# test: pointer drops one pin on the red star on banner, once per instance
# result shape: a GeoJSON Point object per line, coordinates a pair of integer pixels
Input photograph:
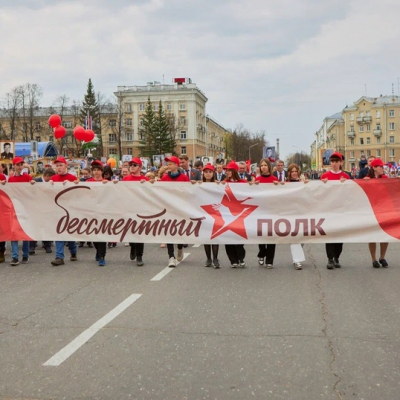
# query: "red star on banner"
{"type": "Point", "coordinates": [229, 214]}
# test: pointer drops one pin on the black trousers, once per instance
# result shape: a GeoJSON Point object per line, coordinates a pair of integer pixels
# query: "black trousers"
{"type": "Point", "coordinates": [333, 250]}
{"type": "Point", "coordinates": [101, 248]}
{"type": "Point", "coordinates": [2, 247]}
{"type": "Point", "coordinates": [267, 251]}
{"type": "Point", "coordinates": [235, 252]}
{"type": "Point", "coordinates": [137, 249]}
{"type": "Point", "coordinates": [170, 248]}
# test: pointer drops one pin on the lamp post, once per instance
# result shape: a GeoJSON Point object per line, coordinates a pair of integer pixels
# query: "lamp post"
{"type": "Point", "coordinates": [256, 144]}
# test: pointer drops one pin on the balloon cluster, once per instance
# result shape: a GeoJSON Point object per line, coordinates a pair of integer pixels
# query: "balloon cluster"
{"type": "Point", "coordinates": [79, 132]}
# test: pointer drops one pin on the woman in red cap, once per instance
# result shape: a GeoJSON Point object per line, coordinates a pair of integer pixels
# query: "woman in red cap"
{"type": "Point", "coordinates": [266, 252]}
{"type": "Point", "coordinates": [235, 252]}
{"type": "Point", "coordinates": [376, 172]}
{"type": "Point", "coordinates": [209, 176]}
{"type": "Point", "coordinates": [174, 175]}
{"type": "Point", "coordinates": [334, 250]}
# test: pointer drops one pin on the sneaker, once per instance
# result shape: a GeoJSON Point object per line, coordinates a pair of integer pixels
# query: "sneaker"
{"type": "Point", "coordinates": [109, 245]}
{"type": "Point", "coordinates": [208, 262]}
{"type": "Point", "coordinates": [133, 254]}
{"type": "Point", "coordinates": [126, 244]}
{"type": "Point", "coordinates": [102, 262]}
{"type": "Point", "coordinates": [261, 261]}
{"type": "Point", "coordinates": [269, 266]}
{"type": "Point", "coordinates": [330, 264]}
{"type": "Point", "coordinates": [97, 258]}
{"type": "Point", "coordinates": [57, 262]}
{"type": "Point", "coordinates": [25, 260]}
{"type": "Point", "coordinates": [14, 261]}
{"type": "Point", "coordinates": [383, 262]}
{"type": "Point", "coordinates": [298, 266]}
{"type": "Point", "coordinates": [81, 244]}
{"type": "Point", "coordinates": [179, 257]}
{"type": "Point", "coordinates": [48, 249]}
{"type": "Point", "coordinates": [336, 263]}
{"type": "Point", "coordinates": [216, 263]}
{"type": "Point", "coordinates": [73, 257]}
{"type": "Point", "coordinates": [234, 265]}
{"type": "Point", "coordinates": [172, 262]}
{"type": "Point", "coordinates": [114, 245]}
{"type": "Point", "coordinates": [242, 264]}
{"type": "Point", "coordinates": [185, 246]}
{"type": "Point", "coordinates": [32, 252]}
{"type": "Point", "coordinates": [376, 264]}
{"type": "Point", "coordinates": [2, 257]}
{"type": "Point", "coordinates": [139, 261]}
{"type": "Point", "coordinates": [90, 245]}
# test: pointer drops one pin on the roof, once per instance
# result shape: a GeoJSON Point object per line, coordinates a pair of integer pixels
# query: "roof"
{"type": "Point", "coordinates": [337, 115]}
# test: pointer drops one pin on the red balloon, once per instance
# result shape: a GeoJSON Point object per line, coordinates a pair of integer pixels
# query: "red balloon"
{"type": "Point", "coordinates": [59, 132]}
{"type": "Point", "coordinates": [79, 132]}
{"type": "Point", "coordinates": [54, 120]}
{"type": "Point", "coordinates": [89, 135]}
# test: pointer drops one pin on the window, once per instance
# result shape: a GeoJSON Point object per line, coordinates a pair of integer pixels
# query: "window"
{"type": "Point", "coordinates": [352, 142]}
{"type": "Point", "coordinates": [391, 126]}
{"type": "Point", "coordinates": [368, 127]}
{"type": "Point", "coordinates": [51, 139]}
{"type": "Point", "coordinates": [378, 127]}
{"type": "Point", "coordinates": [155, 106]}
{"type": "Point", "coordinates": [112, 138]}
{"type": "Point", "coordinates": [351, 117]}
{"type": "Point", "coordinates": [368, 113]}
{"type": "Point", "coordinates": [182, 106]}
{"type": "Point", "coordinates": [129, 137]}
{"type": "Point", "coordinates": [378, 153]}
{"type": "Point", "coordinates": [361, 114]}
{"type": "Point", "coordinates": [391, 139]}
{"type": "Point", "coordinates": [391, 113]}
{"type": "Point", "coordinates": [378, 114]}
{"type": "Point", "coordinates": [141, 122]}
{"type": "Point", "coordinates": [141, 136]}
{"type": "Point", "coordinates": [183, 135]}
{"type": "Point", "coordinates": [361, 140]}
{"type": "Point", "coordinates": [142, 106]}
{"type": "Point", "coordinates": [112, 122]}
{"type": "Point", "coordinates": [368, 153]}
{"type": "Point", "coordinates": [352, 154]}
{"type": "Point", "coordinates": [67, 124]}
{"type": "Point", "coordinates": [351, 128]}
{"type": "Point", "coordinates": [361, 128]}
{"type": "Point", "coordinates": [183, 150]}
{"type": "Point", "coordinates": [37, 138]}
{"type": "Point", "coordinates": [169, 106]}
{"type": "Point", "coordinates": [129, 151]}
{"type": "Point", "coordinates": [24, 127]}
{"type": "Point", "coordinates": [129, 107]}
{"type": "Point", "coordinates": [391, 152]}
{"type": "Point", "coordinates": [183, 120]}
{"type": "Point", "coordinates": [37, 126]}
{"type": "Point", "coordinates": [129, 122]}
{"type": "Point", "coordinates": [368, 140]}
{"type": "Point", "coordinates": [378, 140]}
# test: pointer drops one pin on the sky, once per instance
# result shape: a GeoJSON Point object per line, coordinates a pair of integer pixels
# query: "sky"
{"type": "Point", "coordinates": [277, 67]}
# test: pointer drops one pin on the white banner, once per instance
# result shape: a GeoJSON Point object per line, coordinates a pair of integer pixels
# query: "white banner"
{"type": "Point", "coordinates": [164, 212]}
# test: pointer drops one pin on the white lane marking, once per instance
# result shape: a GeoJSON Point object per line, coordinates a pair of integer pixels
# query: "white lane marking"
{"type": "Point", "coordinates": [80, 340]}
{"type": "Point", "coordinates": [196, 245]}
{"type": "Point", "coordinates": [167, 270]}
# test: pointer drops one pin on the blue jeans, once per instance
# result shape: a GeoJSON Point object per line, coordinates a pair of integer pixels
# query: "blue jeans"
{"type": "Point", "coordinates": [60, 248]}
{"type": "Point", "coordinates": [14, 249]}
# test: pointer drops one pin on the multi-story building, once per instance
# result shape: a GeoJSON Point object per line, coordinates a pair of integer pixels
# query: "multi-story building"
{"type": "Point", "coordinates": [372, 127]}
{"type": "Point", "coordinates": [197, 134]}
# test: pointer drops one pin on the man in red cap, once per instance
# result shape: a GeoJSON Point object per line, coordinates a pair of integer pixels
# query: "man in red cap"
{"type": "Point", "coordinates": [135, 166]}
{"type": "Point", "coordinates": [19, 177]}
{"type": "Point", "coordinates": [62, 175]}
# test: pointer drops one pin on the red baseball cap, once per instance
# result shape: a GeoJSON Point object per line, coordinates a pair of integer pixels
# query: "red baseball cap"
{"type": "Point", "coordinates": [136, 160]}
{"type": "Point", "coordinates": [173, 159]}
{"type": "Point", "coordinates": [97, 163]}
{"type": "Point", "coordinates": [377, 162]}
{"type": "Point", "coordinates": [17, 160]}
{"type": "Point", "coordinates": [210, 167]}
{"type": "Point", "coordinates": [60, 159]}
{"type": "Point", "coordinates": [232, 165]}
{"type": "Point", "coordinates": [336, 155]}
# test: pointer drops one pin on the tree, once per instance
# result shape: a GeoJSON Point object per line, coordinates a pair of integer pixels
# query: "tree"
{"type": "Point", "coordinates": [165, 132]}
{"type": "Point", "coordinates": [11, 106]}
{"type": "Point", "coordinates": [30, 98]}
{"type": "Point", "coordinates": [148, 127]}
{"type": "Point", "coordinates": [303, 160]}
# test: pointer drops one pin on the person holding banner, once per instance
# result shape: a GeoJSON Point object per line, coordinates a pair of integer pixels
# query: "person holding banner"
{"type": "Point", "coordinates": [376, 171]}
{"type": "Point", "coordinates": [3, 180]}
{"type": "Point", "coordinates": [135, 166]}
{"type": "Point", "coordinates": [235, 252]}
{"type": "Point", "coordinates": [266, 252]}
{"type": "Point", "coordinates": [62, 175]}
{"type": "Point", "coordinates": [208, 176]}
{"type": "Point", "coordinates": [334, 250]}
{"type": "Point", "coordinates": [174, 175]}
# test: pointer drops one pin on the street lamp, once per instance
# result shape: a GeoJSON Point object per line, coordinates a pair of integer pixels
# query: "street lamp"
{"type": "Point", "coordinates": [256, 144]}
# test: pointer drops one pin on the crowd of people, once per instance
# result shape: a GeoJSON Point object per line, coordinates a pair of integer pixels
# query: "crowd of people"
{"type": "Point", "coordinates": [178, 169]}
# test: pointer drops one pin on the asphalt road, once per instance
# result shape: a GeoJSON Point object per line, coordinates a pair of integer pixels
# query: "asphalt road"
{"type": "Point", "coordinates": [200, 333]}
